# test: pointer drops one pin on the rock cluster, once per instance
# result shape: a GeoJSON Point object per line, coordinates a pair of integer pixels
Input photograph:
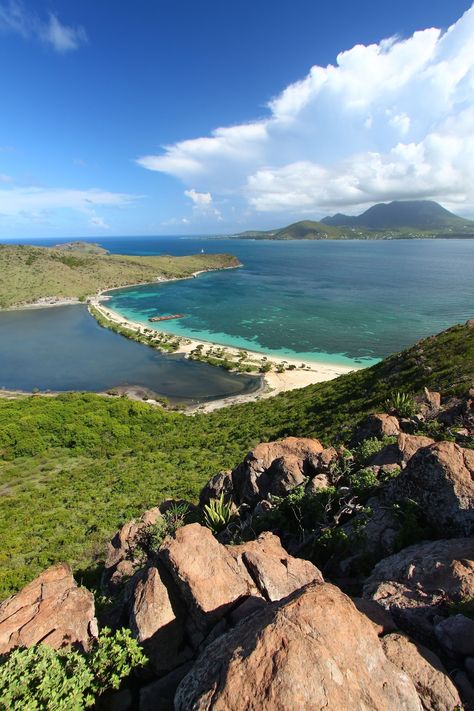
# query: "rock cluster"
{"type": "Point", "coordinates": [254, 626]}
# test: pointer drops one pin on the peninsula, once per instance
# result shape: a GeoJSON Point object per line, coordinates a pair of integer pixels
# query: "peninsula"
{"type": "Point", "coordinates": [400, 219]}
{"type": "Point", "coordinates": [71, 273]}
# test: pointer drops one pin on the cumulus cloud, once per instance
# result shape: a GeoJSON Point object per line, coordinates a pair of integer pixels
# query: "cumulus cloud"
{"type": "Point", "coordinates": [17, 19]}
{"type": "Point", "coordinates": [199, 199]}
{"type": "Point", "coordinates": [387, 121]}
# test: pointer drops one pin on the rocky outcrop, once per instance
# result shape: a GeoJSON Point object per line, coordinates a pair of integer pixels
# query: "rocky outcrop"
{"type": "Point", "coordinates": [440, 479]}
{"type": "Point", "coordinates": [434, 687]}
{"type": "Point", "coordinates": [416, 583]}
{"type": "Point", "coordinates": [52, 609]}
{"type": "Point", "coordinates": [208, 577]}
{"type": "Point", "coordinates": [377, 425]}
{"type": "Point", "coordinates": [297, 654]}
{"type": "Point", "coordinates": [125, 554]}
{"type": "Point", "coordinates": [456, 635]}
{"type": "Point", "coordinates": [157, 619]}
{"type": "Point", "coordinates": [220, 483]}
{"type": "Point", "coordinates": [275, 572]}
{"type": "Point", "coordinates": [274, 468]}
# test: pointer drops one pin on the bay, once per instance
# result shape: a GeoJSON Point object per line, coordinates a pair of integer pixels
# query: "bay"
{"type": "Point", "coordinates": [63, 348]}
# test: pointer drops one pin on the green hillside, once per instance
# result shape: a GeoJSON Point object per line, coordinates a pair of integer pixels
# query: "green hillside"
{"type": "Point", "coordinates": [32, 273]}
{"type": "Point", "coordinates": [395, 220]}
{"type": "Point", "coordinates": [75, 467]}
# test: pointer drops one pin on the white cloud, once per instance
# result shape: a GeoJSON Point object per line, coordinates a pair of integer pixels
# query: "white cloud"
{"type": "Point", "coordinates": [15, 18]}
{"type": "Point", "coordinates": [5, 178]}
{"type": "Point", "coordinates": [34, 204]}
{"type": "Point", "coordinates": [97, 221]}
{"type": "Point", "coordinates": [199, 199]}
{"type": "Point", "coordinates": [389, 120]}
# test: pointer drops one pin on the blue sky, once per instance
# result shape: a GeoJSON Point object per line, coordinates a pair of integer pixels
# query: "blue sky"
{"type": "Point", "coordinates": [177, 117]}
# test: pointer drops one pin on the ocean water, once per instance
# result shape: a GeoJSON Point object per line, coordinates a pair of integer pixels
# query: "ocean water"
{"type": "Point", "coordinates": [63, 348]}
{"type": "Point", "coordinates": [340, 302]}
{"type": "Point", "coordinates": [348, 302]}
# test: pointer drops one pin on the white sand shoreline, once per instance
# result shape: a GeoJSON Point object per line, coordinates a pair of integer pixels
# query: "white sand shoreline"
{"type": "Point", "coordinates": [273, 382]}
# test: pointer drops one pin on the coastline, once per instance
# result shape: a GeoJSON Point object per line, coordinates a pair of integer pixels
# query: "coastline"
{"type": "Point", "coordinates": [291, 378]}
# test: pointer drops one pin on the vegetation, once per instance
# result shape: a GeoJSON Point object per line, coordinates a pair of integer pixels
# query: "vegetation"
{"type": "Point", "coordinates": [32, 273]}
{"type": "Point", "coordinates": [218, 514]}
{"type": "Point", "coordinates": [40, 678]}
{"type": "Point", "coordinates": [75, 467]}
{"type": "Point", "coordinates": [396, 220]}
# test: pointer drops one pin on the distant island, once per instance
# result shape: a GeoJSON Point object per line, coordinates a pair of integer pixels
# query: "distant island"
{"type": "Point", "coordinates": [77, 270]}
{"type": "Point", "coordinates": [401, 219]}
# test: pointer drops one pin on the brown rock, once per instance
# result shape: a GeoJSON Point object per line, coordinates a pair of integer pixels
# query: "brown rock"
{"type": "Point", "coordinates": [125, 553]}
{"type": "Point", "coordinates": [275, 572]}
{"type": "Point", "coordinates": [434, 687]}
{"type": "Point", "coordinates": [456, 635]}
{"type": "Point", "coordinates": [415, 582]}
{"type": "Point", "coordinates": [209, 578]}
{"type": "Point", "coordinates": [378, 615]}
{"type": "Point", "coordinates": [157, 619]}
{"type": "Point", "coordinates": [440, 478]}
{"type": "Point", "coordinates": [159, 695]}
{"type": "Point", "coordinates": [51, 609]}
{"type": "Point", "coordinates": [274, 468]}
{"type": "Point", "coordinates": [408, 445]}
{"type": "Point", "coordinates": [377, 425]}
{"type": "Point", "coordinates": [220, 483]}
{"type": "Point", "coordinates": [309, 651]}
{"type": "Point", "coordinates": [320, 481]}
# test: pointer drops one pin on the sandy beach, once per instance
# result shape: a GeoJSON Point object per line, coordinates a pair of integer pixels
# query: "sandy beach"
{"type": "Point", "coordinates": [273, 382]}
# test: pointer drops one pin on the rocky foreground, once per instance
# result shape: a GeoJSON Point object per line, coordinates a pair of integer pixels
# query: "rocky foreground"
{"type": "Point", "coordinates": [327, 578]}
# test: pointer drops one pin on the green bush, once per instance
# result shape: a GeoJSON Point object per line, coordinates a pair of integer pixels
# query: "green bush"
{"type": "Point", "coordinates": [40, 678]}
{"type": "Point", "coordinates": [402, 404]}
{"type": "Point", "coordinates": [299, 512]}
{"type": "Point", "coordinates": [167, 525]}
{"type": "Point", "coordinates": [363, 481]}
{"type": "Point", "coordinates": [218, 514]}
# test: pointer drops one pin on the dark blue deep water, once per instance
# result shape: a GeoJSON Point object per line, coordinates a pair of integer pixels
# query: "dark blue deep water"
{"type": "Point", "coordinates": [63, 348]}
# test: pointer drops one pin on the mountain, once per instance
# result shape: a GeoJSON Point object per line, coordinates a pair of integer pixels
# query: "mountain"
{"type": "Point", "coordinates": [419, 214]}
{"type": "Point", "coordinates": [401, 219]}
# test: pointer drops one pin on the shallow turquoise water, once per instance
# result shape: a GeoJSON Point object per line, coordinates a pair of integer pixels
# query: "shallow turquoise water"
{"type": "Point", "coordinates": [339, 302]}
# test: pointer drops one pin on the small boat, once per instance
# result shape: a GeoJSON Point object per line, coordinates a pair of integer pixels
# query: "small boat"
{"type": "Point", "coordinates": [155, 319]}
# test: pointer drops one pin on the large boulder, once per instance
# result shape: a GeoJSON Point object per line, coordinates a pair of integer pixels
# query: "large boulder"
{"type": "Point", "coordinates": [434, 687]}
{"type": "Point", "coordinates": [125, 552]}
{"type": "Point", "coordinates": [400, 453]}
{"type": "Point", "coordinates": [208, 577]}
{"type": "Point", "coordinates": [440, 479]}
{"type": "Point", "coordinates": [220, 483]}
{"type": "Point", "coordinates": [312, 650]}
{"type": "Point", "coordinates": [416, 583]}
{"type": "Point", "coordinates": [456, 635]}
{"type": "Point", "coordinates": [377, 425]}
{"type": "Point", "coordinates": [275, 572]}
{"type": "Point", "coordinates": [274, 468]}
{"type": "Point", "coordinates": [51, 609]}
{"type": "Point", "coordinates": [157, 619]}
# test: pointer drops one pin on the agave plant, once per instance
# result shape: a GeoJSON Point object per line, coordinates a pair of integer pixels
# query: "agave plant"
{"type": "Point", "coordinates": [402, 404]}
{"type": "Point", "coordinates": [218, 514]}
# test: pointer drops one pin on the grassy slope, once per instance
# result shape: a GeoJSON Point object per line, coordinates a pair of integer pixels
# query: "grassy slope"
{"type": "Point", "coordinates": [77, 466]}
{"type": "Point", "coordinates": [310, 230]}
{"type": "Point", "coordinates": [30, 273]}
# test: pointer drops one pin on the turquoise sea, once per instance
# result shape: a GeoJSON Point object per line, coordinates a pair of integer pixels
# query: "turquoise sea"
{"type": "Point", "coordinates": [340, 302]}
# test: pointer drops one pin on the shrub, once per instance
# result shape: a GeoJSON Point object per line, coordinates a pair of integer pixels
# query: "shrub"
{"type": "Point", "coordinates": [40, 678]}
{"type": "Point", "coordinates": [167, 525]}
{"type": "Point", "coordinates": [363, 481]}
{"type": "Point", "coordinates": [299, 512]}
{"type": "Point", "coordinates": [402, 404]}
{"type": "Point", "coordinates": [218, 514]}
{"type": "Point", "coordinates": [369, 447]}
